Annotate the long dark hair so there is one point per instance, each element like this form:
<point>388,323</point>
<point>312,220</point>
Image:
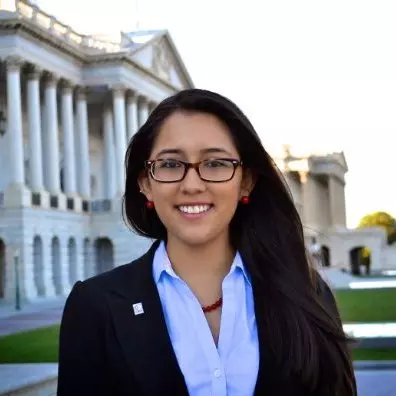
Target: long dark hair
<point>304,336</point>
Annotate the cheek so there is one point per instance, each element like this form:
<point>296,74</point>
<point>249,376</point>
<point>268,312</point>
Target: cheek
<point>228,196</point>
<point>162,196</point>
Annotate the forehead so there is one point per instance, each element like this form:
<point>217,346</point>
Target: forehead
<point>193,132</point>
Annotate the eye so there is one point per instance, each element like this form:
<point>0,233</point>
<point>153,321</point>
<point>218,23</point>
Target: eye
<point>218,163</point>
<point>168,164</point>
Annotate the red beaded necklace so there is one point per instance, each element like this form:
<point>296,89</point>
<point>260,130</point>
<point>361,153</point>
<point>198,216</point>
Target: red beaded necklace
<point>213,307</point>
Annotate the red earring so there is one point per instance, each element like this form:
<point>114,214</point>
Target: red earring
<point>245,199</point>
<point>149,204</point>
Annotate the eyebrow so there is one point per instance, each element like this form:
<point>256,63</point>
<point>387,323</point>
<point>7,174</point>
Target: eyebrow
<point>214,150</point>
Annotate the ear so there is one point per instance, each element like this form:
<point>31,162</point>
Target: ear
<point>144,185</point>
<point>248,182</point>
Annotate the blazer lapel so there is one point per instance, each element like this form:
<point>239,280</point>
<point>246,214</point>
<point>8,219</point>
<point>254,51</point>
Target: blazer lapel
<point>142,332</point>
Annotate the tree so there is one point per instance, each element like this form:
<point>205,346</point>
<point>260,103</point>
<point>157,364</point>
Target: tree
<point>380,219</point>
<point>376,219</point>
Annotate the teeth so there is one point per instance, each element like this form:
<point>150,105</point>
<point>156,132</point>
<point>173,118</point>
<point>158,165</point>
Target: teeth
<point>194,209</point>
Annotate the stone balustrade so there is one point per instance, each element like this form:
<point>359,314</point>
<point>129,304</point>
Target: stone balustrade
<point>33,13</point>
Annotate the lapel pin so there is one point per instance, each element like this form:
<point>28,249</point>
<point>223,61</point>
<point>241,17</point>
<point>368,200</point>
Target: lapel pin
<point>138,309</point>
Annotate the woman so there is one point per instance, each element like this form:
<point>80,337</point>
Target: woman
<point>224,302</point>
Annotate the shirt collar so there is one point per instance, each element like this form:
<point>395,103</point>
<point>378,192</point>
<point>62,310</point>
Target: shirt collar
<point>162,264</point>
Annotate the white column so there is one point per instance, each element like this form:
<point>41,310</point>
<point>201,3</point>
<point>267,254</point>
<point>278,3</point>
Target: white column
<point>69,170</point>
<point>34,124</point>
<point>84,168</point>
<point>110,171</point>
<point>52,171</point>
<point>14,121</point>
<point>132,115</point>
<point>143,111</point>
<point>120,136</point>
<point>336,198</point>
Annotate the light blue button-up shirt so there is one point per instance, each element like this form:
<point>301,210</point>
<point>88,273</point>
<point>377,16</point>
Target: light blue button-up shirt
<point>231,368</point>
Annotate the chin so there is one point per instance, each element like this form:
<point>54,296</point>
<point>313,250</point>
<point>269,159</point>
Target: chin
<point>196,239</point>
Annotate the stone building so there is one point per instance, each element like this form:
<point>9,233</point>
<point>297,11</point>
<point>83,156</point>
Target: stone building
<point>69,103</point>
<point>317,183</point>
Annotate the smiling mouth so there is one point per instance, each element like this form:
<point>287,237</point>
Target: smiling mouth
<point>194,209</point>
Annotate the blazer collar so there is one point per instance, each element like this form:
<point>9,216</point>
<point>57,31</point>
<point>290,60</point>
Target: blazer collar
<point>146,343</point>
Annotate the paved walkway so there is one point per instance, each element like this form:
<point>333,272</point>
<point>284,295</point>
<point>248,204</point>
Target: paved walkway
<point>42,377</point>
<point>376,382</point>
<point>344,280</point>
<point>30,317</point>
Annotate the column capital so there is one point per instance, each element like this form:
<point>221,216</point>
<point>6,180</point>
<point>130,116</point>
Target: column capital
<point>81,92</point>
<point>34,72</point>
<point>132,96</point>
<point>143,99</point>
<point>51,79</point>
<point>66,86</point>
<point>14,62</point>
<point>118,90</point>
<point>152,105</point>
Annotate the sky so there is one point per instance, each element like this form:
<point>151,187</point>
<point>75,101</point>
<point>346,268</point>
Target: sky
<point>318,75</point>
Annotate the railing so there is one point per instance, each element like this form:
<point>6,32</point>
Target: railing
<point>31,12</point>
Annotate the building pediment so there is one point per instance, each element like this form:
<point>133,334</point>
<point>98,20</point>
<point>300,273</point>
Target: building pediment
<point>156,51</point>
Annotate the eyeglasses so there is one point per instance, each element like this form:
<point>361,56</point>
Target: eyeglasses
<point>211,170</point>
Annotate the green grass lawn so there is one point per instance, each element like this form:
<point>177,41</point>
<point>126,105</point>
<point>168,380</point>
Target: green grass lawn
<point>370,305</point>
<point>374,354</point>
<point>41,346</point>
<point>36,346</point>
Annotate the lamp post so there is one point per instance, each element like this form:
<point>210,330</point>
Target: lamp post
<point>17,287</point>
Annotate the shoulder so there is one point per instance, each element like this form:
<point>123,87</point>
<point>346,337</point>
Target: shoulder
<point>119,279</point>
<point>321,286</point>
<point>326,295</point>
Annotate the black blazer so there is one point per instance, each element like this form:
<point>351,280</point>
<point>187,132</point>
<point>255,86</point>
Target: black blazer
<point>105,349</point>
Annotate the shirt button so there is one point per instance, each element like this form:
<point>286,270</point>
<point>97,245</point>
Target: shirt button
<point>217,373</point>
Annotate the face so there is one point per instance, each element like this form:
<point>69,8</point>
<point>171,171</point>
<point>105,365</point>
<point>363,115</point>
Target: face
<point>195,211</point>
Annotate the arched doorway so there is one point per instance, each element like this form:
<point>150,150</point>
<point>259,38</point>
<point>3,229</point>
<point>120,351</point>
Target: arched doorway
<point>325,253</point>
<point>38,265</point>
<point>2,268</point>
<point>359,257</point>
<point>104,255</point>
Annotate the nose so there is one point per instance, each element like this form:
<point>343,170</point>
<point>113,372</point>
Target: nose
<point>192,183</point>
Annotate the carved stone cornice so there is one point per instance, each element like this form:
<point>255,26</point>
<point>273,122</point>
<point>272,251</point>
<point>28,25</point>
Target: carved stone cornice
<point>29,29</point>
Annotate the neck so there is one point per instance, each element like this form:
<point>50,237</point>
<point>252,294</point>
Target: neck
<point>211,260</point>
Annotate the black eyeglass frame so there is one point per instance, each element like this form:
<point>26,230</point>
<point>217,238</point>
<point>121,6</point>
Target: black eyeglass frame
<point>149,165</point>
